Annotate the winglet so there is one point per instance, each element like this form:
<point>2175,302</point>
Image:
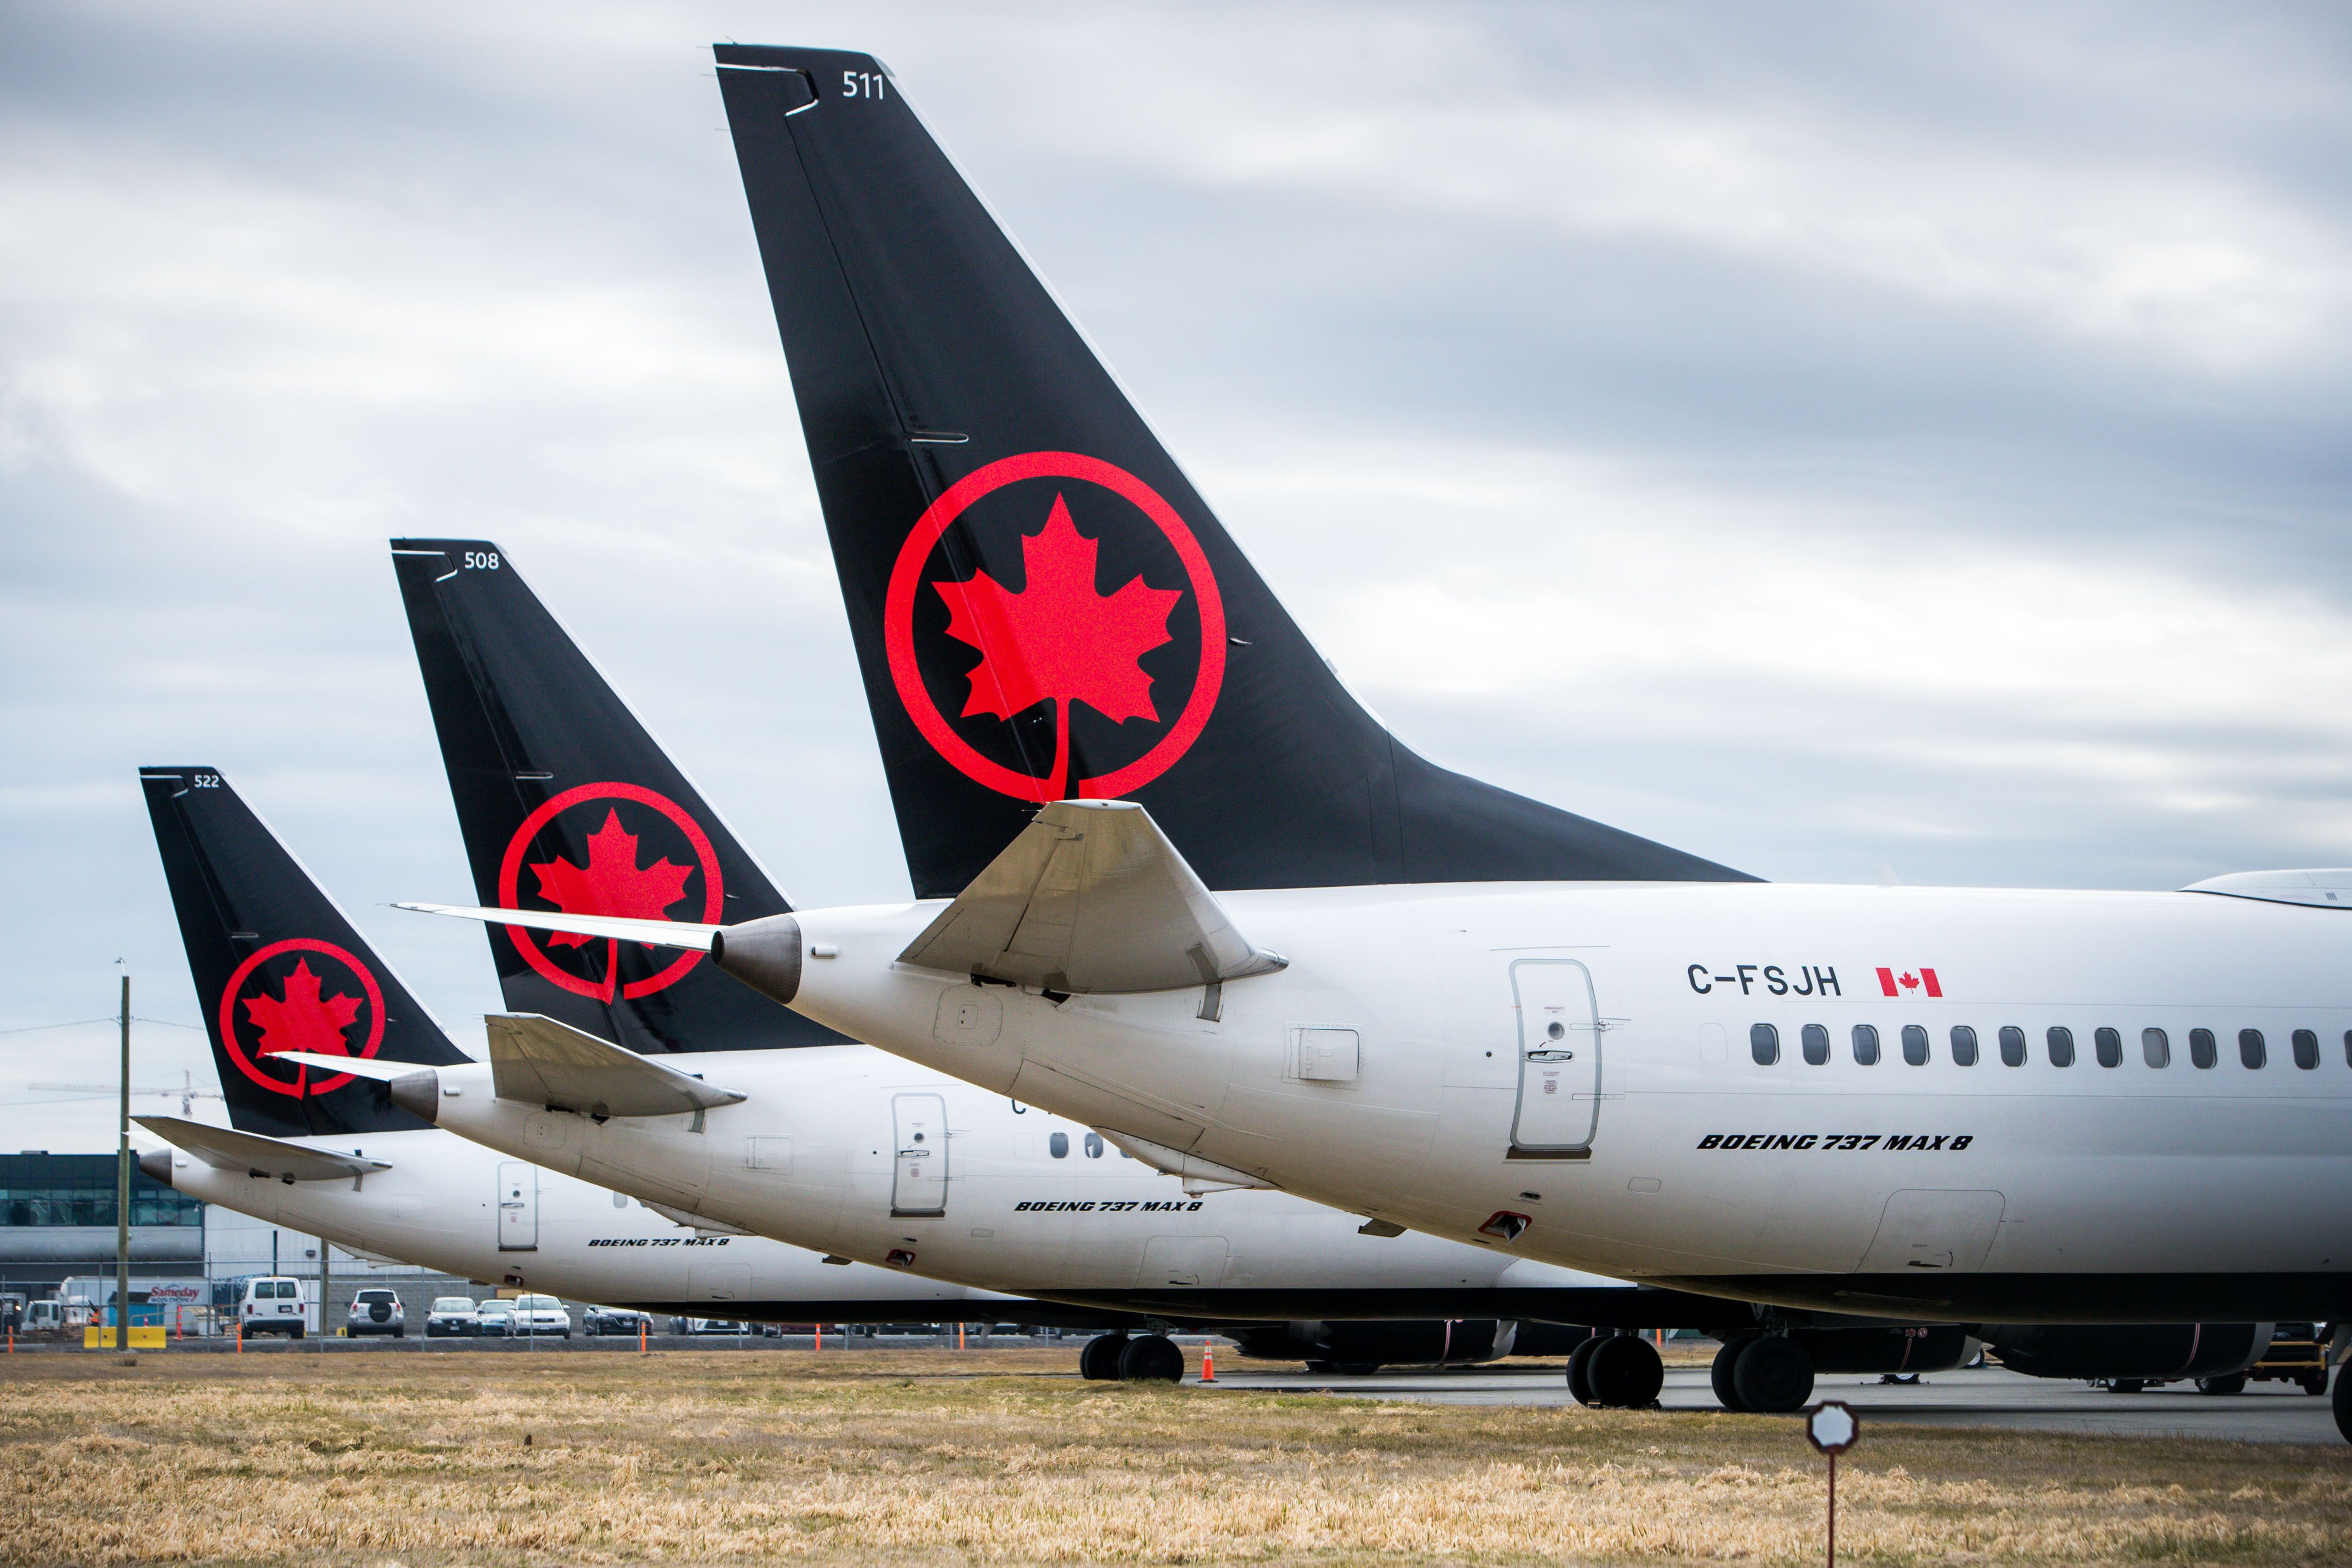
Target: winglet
<point>1091,897</point>
<point>540,1061</point>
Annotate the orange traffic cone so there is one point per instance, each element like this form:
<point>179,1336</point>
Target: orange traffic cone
<point>1208,1362</point>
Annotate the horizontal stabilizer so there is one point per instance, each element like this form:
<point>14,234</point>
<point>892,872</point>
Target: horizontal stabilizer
<point>2330,888</point>
<point>1090,896</point>
<point>653,932</point>
<point>1199,1175</point>
<point>373,1067</point>
<point>701,1224</point>
<point>256,1155</point>
<point>540,1061</point>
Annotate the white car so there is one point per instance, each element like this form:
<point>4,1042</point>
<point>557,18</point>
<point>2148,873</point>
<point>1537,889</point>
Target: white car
<point>376,1310</point>
<point>536,1315</point>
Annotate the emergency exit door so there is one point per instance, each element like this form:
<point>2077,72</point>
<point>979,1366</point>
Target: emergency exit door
<point>1560,1060</point>
<point>518,1207</point>
<point>918,1182</point>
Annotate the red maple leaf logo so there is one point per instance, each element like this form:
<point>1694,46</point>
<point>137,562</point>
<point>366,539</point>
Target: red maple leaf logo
<point>299,1020</point>
<point>1058,640</point>
<point>1910,982</point>
<point>612,883</point>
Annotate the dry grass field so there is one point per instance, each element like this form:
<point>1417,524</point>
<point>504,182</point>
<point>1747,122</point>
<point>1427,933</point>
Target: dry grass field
<point>1005,1457</point>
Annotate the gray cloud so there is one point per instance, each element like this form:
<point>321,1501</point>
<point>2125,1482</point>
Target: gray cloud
<point>1820,438</point>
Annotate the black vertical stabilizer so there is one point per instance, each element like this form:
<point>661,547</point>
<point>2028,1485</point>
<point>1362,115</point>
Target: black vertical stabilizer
<point>566,802</point>
<point>277,968</point>
<point>1043,606</point>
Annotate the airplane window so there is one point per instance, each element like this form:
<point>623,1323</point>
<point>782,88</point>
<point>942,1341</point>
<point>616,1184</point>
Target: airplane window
<point>2061,1047</point>
<point>1865,1044</point>
<point>1817,1045</point>
<point>1915,1045</point>
<point>2013,1046</point>
<point>2201,1053</point>
<point>2108,1046</point>
<point>1058,1145</point>
<point>2306,1050</point>
<point>1094,1145</point>
<point>1964,1046</point>
<point>1763,1043</point>
<point>2249,1047</point>
<point>2155,1049</point>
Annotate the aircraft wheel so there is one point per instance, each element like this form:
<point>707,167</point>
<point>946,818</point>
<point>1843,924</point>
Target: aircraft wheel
<point>1727,1391</point>
<point>2343,1403</point>
<point>1773,1376</point>
<point>1099,1362</point>
<point>1625,1373</point>
<point>1152,1358</point>
<point>2235,1383</point>
<point>1579,1367</point>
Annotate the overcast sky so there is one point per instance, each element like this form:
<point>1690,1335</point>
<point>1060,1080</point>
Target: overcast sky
<point>1820,437</point>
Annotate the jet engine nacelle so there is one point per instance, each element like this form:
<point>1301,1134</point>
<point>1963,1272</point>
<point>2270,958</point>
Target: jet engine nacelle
<point>1368,1345</point>
<point>1884,1350</point>
<point>2148,1351</point>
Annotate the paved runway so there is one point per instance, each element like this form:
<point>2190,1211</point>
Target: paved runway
<point>2265,1412</point>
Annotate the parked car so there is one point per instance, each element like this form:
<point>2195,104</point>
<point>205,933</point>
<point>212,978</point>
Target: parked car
<point>536,1315</point>
<point>375,1311</point>
<point>493,1318</point>
<point>712,1325</point>
<point>452,1317</point>
<point>614,1320</point>
<point>273,1304</point>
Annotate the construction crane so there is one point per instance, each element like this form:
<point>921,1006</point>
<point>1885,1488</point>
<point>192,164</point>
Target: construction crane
<point>187,1093</point>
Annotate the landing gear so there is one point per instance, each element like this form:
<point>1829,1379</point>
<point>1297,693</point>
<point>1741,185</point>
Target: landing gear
<point>1625,1373</point>
<point>1619,1371</point>
<point>2343,1403</point>
<point>1727,1391</point>
<point>1579,1364</point>
<point>2235,1383</point>
<point>1154,1358</point>
<point>1099,1362</point>
<point>1771,1376</point>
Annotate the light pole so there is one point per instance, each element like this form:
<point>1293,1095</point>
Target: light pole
<point>122,1192</point>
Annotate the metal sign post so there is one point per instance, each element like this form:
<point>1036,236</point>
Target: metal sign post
<point>1833,1428</point>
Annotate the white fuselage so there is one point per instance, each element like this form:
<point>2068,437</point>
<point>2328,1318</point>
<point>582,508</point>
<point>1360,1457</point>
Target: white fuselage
<point>852,1151</point>
<point>1663,1150</point>
<point>465,1210</point>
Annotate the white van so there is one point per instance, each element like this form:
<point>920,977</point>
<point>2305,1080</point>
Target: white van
<point>274,1303</point>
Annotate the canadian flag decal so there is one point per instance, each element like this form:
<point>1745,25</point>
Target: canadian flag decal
<point>1909,983</point>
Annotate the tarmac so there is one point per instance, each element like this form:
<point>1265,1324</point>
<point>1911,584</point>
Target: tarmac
<point>1989,1396</point>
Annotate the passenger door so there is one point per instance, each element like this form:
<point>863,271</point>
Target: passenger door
<point>918,1182</point>
<point>1560,1060</point>
<point>518,1207</point>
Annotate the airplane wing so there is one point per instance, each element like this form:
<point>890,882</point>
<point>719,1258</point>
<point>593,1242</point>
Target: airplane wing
<point>1090,896</point>
<point>224,1150</point>
<point>541,1061</point>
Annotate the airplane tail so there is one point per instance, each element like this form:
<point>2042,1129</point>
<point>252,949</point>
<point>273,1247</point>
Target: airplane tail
<point>277,968</point>
<point>1044,608</point>
<point>567,803</point>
